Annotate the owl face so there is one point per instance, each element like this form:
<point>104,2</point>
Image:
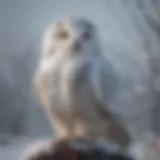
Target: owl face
<point>71,36</point>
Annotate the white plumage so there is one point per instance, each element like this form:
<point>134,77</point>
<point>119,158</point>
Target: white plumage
<point>73,82</point>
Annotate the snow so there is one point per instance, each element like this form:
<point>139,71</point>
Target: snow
<point>17,147</point>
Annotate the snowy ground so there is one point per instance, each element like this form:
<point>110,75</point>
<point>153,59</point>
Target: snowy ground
<point>11,151</point>
<point>14,149</point>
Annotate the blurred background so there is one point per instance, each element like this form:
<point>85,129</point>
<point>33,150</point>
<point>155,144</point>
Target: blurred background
<point>130,33</point>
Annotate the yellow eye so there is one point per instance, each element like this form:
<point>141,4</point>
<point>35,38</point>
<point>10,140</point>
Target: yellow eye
<point>63,35</point>
<point>86,36</point>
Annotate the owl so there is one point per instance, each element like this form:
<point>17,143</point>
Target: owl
<point>72,82</point>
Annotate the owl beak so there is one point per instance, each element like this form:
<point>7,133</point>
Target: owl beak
<point>77,46</point>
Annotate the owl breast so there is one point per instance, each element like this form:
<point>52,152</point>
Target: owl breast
<point>71,93</point>
<point>70,102</point>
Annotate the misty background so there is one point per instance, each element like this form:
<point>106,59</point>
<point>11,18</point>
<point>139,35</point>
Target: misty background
<point>130,33</point>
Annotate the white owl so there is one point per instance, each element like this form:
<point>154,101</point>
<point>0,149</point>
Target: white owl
<point>73,80</point>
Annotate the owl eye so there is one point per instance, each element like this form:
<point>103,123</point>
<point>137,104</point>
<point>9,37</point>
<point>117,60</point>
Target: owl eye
<point>86,35</point>
<point>63,35</point>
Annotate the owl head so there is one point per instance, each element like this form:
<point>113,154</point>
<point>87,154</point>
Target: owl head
<point>71,36</point>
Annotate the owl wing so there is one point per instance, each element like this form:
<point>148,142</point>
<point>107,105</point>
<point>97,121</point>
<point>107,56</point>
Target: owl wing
<point>123,89</point>
<point>104,85</point>
<point>40,87</point>
<point>37,87</point>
